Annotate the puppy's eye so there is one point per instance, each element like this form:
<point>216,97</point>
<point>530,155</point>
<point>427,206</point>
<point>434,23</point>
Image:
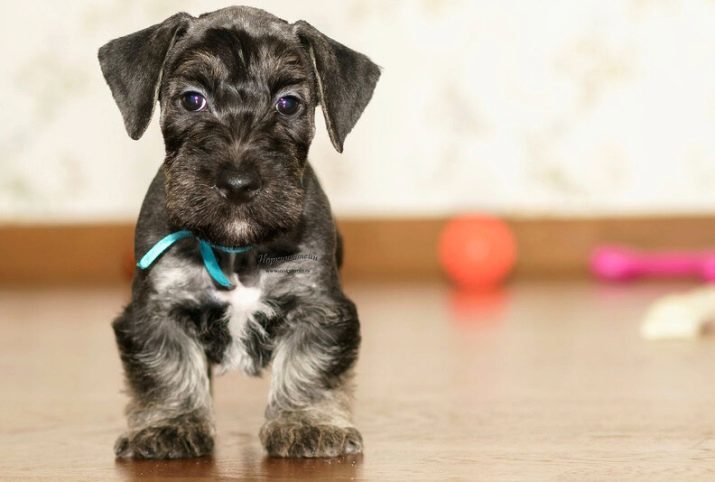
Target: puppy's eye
<point>193,101</point>
<point>288,105</point>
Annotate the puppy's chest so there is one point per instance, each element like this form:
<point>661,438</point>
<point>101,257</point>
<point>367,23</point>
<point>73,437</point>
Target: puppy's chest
<point>235,328</point>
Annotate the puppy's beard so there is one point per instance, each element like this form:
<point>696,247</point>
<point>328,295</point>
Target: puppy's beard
<point>240,229</point>
<point>239,232</point>
<point>234,233</point>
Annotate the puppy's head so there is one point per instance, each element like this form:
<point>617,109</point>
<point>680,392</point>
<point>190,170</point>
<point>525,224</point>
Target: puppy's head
<point>237,89</point>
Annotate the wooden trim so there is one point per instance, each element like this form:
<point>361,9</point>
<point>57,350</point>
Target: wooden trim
<point>396,248</point>
<point>406,248</point>
<point>75,254</point>
<point>561,247</point>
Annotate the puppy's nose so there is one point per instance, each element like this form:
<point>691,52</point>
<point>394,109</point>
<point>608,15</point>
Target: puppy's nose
<point>238,185</point>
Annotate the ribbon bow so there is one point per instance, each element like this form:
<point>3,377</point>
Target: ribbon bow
<point>207,254</point>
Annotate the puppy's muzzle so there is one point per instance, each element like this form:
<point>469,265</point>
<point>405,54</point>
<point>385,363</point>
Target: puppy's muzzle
<point>238,186</point>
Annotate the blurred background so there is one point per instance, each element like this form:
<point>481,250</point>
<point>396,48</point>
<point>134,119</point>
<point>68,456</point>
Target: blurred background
<point>537,112</point>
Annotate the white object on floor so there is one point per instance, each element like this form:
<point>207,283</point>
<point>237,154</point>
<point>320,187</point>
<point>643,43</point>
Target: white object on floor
<point>683,315</point>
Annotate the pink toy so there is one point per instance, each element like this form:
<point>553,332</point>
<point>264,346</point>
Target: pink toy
<point>622,264</point>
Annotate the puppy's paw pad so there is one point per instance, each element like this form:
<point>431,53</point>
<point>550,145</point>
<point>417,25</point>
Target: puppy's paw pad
<point>295,439</point>
<point>165,442</point>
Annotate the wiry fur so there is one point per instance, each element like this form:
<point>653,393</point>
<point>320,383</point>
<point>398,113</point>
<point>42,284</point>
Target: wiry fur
<point>290,310</point>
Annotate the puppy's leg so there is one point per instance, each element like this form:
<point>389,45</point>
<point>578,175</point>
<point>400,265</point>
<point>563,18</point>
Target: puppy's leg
<point>170,414</point>
<point>309,409</point>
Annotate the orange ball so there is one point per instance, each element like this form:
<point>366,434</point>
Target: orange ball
<point>477,251</point>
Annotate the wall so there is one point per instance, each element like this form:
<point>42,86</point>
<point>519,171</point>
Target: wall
<point>522,108</point>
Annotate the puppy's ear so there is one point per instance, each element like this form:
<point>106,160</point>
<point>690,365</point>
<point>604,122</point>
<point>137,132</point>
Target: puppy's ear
<point>346,80</point>
<point>132,67</point>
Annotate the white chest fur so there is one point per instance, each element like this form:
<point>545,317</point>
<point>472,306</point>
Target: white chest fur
<point>246,304</point>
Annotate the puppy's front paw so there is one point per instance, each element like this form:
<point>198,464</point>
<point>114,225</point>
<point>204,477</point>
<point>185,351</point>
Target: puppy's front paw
<point>301,439</point>
<point>173,440</point>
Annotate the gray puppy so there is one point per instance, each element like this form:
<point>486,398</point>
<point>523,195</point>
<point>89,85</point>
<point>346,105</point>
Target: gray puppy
<point>238,251</point>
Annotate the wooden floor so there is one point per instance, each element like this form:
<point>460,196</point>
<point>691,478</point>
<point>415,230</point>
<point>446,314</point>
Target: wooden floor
<point>543,381</point>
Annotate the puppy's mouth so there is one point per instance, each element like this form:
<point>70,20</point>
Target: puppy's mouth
<point>237,226</point>
<point>226,220</point>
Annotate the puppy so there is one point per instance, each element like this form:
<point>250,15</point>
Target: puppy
<point>238,250</point>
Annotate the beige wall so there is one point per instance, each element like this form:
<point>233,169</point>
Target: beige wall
<point>517,107</point>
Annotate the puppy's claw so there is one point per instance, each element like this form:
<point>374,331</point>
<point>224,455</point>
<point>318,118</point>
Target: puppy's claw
<point>121,447</point>
<point>299,439</point>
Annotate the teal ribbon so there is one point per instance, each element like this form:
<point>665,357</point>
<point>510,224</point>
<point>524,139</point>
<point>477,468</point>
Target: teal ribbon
<point>207,254</point>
